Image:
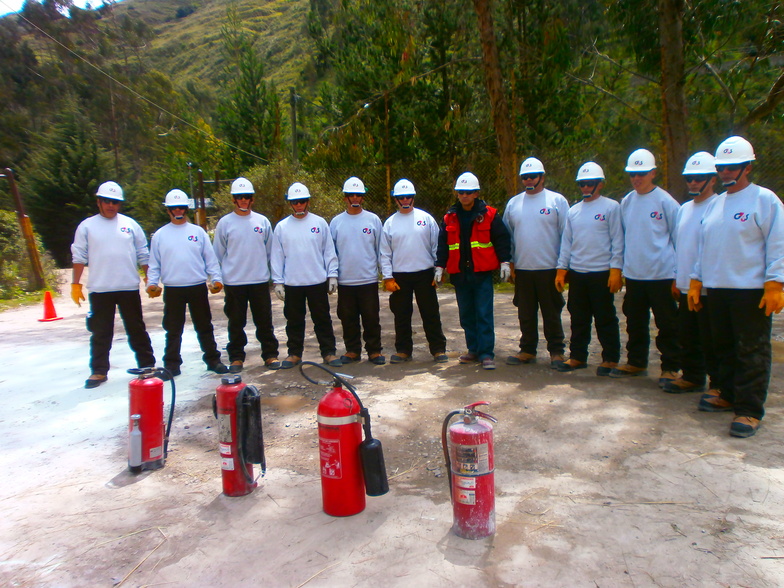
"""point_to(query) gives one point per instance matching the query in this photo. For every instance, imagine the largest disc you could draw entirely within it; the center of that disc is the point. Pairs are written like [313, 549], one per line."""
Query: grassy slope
[189, 48]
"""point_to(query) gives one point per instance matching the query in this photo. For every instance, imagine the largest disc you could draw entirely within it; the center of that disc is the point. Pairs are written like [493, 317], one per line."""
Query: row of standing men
[711, 272]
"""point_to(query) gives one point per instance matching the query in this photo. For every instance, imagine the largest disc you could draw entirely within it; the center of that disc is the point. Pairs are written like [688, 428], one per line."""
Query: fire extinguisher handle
[480, 403]
[485, 416]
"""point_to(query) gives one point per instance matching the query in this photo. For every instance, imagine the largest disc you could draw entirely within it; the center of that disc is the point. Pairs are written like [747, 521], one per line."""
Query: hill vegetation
[322, 89]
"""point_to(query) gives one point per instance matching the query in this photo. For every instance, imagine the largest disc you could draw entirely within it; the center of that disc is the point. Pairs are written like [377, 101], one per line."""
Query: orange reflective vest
[482, 251]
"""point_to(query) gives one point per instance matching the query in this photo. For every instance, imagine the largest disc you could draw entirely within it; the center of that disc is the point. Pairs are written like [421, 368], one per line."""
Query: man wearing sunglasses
[697, 358]
[305, 272]
[409, 239]
[243, 244]
[182, 259]
[592, 257]
[472, 243]
[114, 247]
[741, 265]
[536, 219]
[648, 214]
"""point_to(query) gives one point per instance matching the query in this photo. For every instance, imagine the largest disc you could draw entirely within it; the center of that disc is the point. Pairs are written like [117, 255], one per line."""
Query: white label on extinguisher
[227, 463]
[156, 452]
[465, 496]
[329, 451]
[225, 448]
[471, 460]
[224, 428]
[465, 482]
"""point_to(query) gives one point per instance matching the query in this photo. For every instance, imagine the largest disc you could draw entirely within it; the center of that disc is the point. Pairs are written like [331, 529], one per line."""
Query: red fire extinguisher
[237, 407]
[148, 435]
[468, 450]
[350, 466]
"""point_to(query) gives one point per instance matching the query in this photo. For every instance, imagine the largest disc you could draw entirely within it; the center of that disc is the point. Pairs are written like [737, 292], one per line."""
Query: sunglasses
[298, 201]
[588, 183]
[730, 167]
[172, 208]
[697, 178]
[638, 174]
[527, 177]
[408, 197]
[243, 197]
[108, 200]
[466, 192]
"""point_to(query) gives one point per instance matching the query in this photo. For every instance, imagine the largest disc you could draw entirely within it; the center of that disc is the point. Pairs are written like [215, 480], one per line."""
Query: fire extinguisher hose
[241, 413]
[171, 418]
[445, 445]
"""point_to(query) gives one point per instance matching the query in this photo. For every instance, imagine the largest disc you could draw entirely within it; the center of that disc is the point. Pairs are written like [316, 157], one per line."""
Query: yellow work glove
[773, 298]
[615, 283]
[695, 290]
[390, 285]
[676, 294]
[216, 287]
[560, 279]
[154, 291]
[76, 294]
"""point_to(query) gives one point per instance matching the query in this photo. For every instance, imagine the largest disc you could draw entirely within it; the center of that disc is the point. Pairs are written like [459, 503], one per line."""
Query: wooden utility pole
[504, 131]
[293, 101]
[200, 214]
[27, 231]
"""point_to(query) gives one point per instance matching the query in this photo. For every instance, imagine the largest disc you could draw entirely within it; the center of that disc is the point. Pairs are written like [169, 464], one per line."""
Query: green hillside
[186, 46]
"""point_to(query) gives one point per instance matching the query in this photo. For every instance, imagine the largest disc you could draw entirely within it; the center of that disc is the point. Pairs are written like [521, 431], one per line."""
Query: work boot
[349, 358]
[627, 371]
[440, 357]
[290, 362]
[488, 363]
[556, 359]
[680, 386]
[744, 426]
[333, 361]
[272, 363]
[712, 402]
[666, 378]
[468, 358]
[235, 367]
[218, 368]
[605, 368]
[399, 357]
[95, 380]
[570, 365]
[521, 358]
[377, 359]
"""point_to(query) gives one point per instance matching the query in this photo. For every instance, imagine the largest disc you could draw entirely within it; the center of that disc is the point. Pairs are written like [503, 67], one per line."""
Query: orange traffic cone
[49, 312]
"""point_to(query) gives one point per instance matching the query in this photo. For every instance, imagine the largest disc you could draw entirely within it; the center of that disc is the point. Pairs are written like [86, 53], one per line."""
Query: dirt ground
[600, 482]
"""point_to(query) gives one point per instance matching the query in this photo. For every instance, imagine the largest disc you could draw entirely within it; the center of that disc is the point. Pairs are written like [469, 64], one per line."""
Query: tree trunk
[676, 133]
[504, 132]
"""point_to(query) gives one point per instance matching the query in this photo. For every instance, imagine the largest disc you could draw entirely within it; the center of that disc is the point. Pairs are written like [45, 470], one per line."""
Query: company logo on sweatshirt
[546, 211]
[315, 230]
[367, 231]
[421, 223]
[600, 217]
[194, 238]
[657, 215]
[125, 230]
[258, 230]
[741, 216]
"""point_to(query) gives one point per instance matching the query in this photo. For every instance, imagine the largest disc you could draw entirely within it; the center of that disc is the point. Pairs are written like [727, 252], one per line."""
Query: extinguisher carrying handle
[471, 409]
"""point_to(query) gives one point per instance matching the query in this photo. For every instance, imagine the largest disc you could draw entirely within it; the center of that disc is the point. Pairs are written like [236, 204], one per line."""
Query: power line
[134, 92]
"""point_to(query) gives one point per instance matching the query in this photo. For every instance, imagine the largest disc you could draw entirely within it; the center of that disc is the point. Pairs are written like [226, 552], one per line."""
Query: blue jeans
[475, 305]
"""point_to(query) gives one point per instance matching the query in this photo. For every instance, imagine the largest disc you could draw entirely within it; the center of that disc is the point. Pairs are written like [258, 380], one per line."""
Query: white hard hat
[110, 190]
[297, 191]
[734, 150]
[467, 182]
[403, 188]
[531, 166]
[353, 185]
[640, 160]
[242, 186]
[590, 171]
[700, 163]
[176, 198]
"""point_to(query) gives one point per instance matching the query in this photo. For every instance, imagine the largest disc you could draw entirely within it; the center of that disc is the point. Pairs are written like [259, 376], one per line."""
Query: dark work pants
[317, 298]
[535, 290]
[697, 356]
[175, 299]
[474, 293]
[741, 342]
[355, 302]
[642, 297]
[589, 299]
[101, 325]
[401, 303]
[235, 306]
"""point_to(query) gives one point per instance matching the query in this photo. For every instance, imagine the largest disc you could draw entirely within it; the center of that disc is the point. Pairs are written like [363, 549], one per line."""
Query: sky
[7, 6]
